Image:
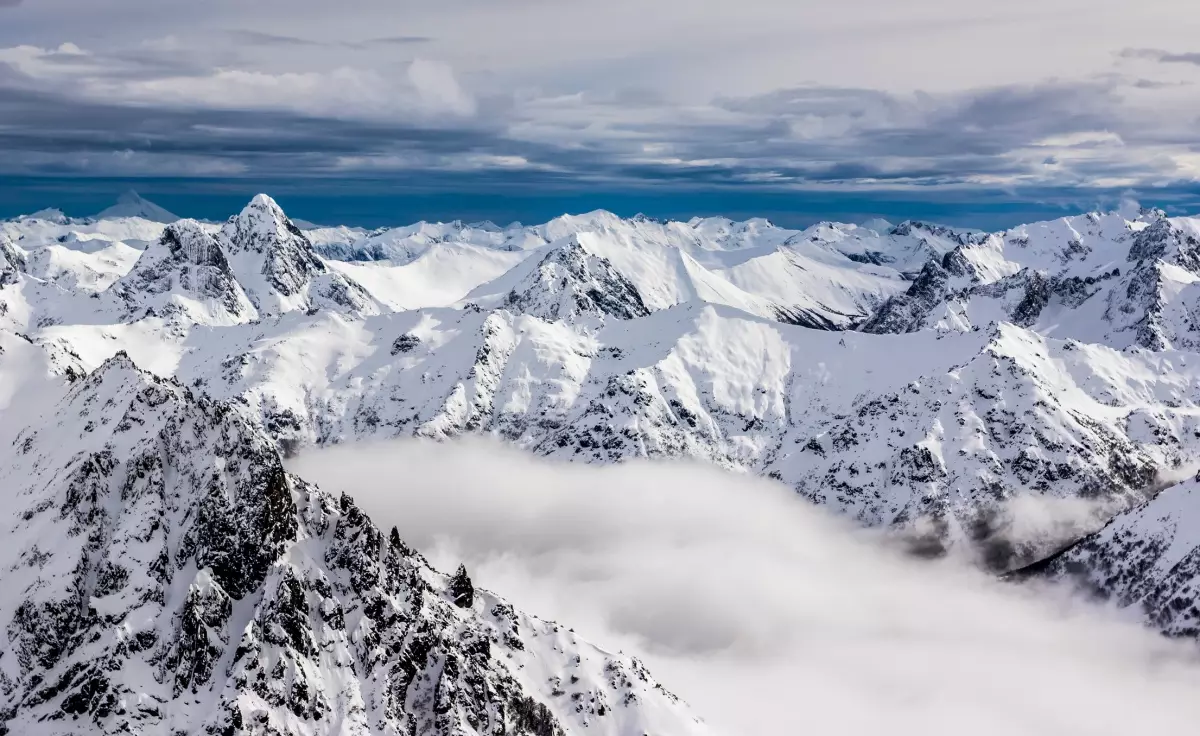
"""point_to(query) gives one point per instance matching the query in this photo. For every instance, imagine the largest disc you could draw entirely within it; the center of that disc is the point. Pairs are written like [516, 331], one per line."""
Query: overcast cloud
[857, 95]
[767, 616]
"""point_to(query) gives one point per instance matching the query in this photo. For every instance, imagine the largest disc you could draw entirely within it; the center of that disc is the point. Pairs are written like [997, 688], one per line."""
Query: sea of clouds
[768, 615]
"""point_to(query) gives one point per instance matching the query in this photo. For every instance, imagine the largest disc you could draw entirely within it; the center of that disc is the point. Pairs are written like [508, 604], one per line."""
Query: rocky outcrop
[166, 574]
[907, 312]
[186, 274]
[573, 285]
[279, 269]
[12, 261]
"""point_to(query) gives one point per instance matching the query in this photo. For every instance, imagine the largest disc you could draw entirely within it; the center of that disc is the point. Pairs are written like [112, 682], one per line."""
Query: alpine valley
[167, 575]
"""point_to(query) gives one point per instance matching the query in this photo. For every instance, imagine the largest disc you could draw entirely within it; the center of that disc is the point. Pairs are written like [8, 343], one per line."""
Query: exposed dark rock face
[189, 262]
[572, 285]
[907, 312]
[461, 591]
[12, 262]
[167, 574]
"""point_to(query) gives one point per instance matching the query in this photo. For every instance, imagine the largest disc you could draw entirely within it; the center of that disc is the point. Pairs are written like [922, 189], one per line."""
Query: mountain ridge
[916, 378]
[174, 576]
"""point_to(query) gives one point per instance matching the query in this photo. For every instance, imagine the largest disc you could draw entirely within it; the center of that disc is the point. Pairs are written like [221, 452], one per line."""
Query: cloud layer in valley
[766, 615]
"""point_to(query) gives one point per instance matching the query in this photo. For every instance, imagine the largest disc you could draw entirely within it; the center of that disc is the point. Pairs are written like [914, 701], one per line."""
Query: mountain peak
[262, 225]
[50, 214]
[186, 274]
[279, 269]
[132, 204]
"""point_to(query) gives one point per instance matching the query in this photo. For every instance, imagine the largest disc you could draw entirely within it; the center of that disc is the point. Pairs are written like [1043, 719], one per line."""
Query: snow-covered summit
[280, 271]
[131, 204]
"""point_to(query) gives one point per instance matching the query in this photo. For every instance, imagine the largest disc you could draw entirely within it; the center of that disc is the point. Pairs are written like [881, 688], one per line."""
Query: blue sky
[378, 112]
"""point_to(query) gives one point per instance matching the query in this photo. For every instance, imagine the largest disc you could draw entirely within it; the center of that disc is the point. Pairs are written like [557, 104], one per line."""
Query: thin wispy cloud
[1165, 57]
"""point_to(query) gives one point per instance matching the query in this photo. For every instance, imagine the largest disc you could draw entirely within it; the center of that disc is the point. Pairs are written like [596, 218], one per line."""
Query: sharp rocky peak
[574, 285]
[263, 226]
[280, 270]
[186, 274]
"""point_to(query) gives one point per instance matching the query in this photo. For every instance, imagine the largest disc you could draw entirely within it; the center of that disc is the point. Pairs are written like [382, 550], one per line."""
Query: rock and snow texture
[185, 273]
[909, 376]
[1146, 559]
[276, 265]
[165, 575]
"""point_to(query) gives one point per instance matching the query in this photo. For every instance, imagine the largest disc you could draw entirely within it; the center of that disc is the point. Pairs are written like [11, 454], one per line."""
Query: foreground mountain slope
[166, 575]
[1146, 560]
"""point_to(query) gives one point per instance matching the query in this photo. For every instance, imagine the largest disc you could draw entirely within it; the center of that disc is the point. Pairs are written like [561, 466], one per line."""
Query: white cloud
[429, 88]
[437, 87]
[769, 617]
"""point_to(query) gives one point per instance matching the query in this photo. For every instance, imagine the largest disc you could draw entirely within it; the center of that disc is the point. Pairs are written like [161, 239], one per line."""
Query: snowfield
[933, 381]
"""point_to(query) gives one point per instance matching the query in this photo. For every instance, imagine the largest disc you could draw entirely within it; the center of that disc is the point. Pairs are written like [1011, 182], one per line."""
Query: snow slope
[914, 377]
[166, 575]
[131, 204]
[1146, 560]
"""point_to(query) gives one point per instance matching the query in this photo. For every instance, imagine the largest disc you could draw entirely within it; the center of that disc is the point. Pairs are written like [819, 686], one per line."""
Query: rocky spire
[279, 269]
[461, 591]
[186, 273]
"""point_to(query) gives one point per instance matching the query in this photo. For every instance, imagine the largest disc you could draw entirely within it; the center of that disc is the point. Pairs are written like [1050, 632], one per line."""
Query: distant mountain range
[910, 376]
[131, 204]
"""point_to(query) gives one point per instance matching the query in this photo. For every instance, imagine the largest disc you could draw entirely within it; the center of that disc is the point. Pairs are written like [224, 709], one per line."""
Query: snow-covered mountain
[131, 204]
[1146, 559]
[915, 377]
[166, 575]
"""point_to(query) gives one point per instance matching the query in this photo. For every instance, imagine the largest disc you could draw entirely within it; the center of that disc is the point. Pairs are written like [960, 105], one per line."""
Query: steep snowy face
[279, 270]
[575, 286]
[1146, 559]
[166, 575]
[12, 261]
[184, 276]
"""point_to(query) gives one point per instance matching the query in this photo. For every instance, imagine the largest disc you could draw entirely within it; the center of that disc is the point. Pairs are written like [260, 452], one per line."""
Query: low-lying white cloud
[762, 612]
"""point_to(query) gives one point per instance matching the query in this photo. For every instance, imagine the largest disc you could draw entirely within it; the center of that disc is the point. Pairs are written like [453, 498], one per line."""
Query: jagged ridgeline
[912, 377]
[166, 575]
